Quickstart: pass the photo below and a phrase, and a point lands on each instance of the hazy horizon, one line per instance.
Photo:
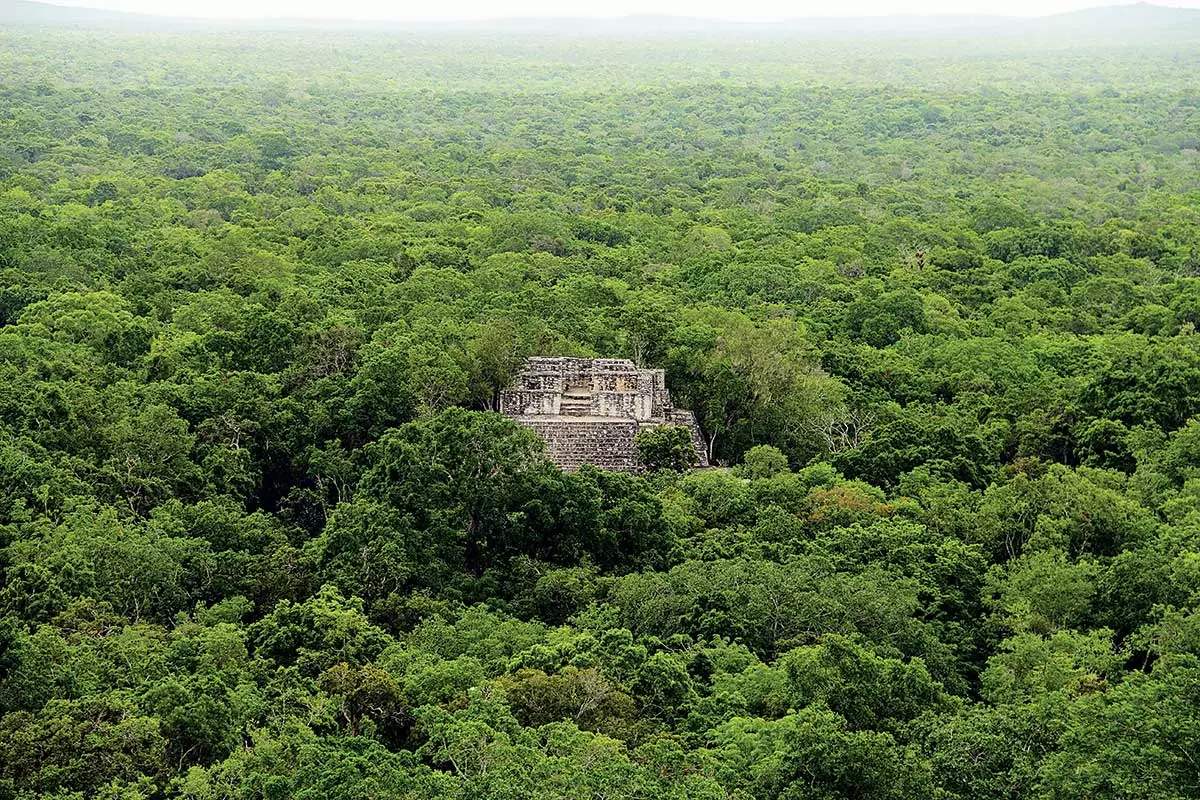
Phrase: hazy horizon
(465, 10)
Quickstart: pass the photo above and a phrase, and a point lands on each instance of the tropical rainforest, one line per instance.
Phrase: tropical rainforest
(934, 301)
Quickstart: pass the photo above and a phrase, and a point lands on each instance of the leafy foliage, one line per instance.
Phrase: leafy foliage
(934, 303)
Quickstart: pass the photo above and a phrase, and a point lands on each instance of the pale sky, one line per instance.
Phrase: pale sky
(749, 10)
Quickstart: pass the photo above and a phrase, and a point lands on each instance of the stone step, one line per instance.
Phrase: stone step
(575, 408)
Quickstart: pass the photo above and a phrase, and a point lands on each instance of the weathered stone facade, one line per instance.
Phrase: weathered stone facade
(588, 410)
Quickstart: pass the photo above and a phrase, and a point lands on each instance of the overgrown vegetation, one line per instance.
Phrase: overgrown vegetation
(934, 302)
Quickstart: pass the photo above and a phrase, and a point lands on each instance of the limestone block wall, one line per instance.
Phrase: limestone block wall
(530, 402)
(687, 420)
(618, 404)
(652, 386)
(607, 444)
(599, 374)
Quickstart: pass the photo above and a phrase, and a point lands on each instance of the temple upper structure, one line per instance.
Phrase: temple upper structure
(588, 410)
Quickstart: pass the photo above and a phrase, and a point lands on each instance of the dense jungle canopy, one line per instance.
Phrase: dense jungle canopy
(934, 300)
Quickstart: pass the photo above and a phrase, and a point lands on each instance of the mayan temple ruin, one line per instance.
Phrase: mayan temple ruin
(588, 410)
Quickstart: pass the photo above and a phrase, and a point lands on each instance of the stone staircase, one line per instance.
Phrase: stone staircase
(576, 404)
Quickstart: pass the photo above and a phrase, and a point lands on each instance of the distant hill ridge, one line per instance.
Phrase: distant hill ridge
(16, 12)
(1120, 19)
